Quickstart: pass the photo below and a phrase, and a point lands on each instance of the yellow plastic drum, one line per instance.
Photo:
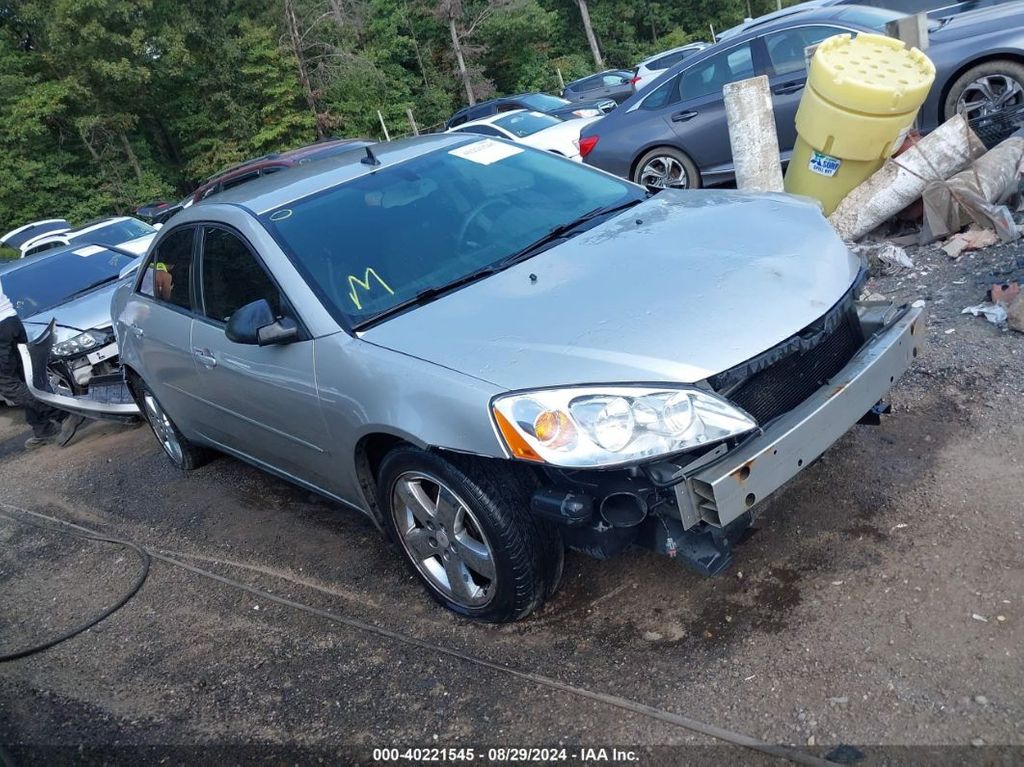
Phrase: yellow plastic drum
(861, 99)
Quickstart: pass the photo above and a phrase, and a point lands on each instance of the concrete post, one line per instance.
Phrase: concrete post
(752, 134)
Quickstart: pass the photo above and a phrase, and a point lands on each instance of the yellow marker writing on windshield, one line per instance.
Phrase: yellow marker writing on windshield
(364, 283)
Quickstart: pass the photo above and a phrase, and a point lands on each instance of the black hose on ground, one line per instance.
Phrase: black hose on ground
(144, 559)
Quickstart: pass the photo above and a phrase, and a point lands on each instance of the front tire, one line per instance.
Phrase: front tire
(665, 167)
(184, 454)
(466, 531)
(986, 89)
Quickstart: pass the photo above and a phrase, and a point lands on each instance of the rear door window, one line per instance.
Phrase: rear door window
(786, 49)
(167, 276)
(708, 77)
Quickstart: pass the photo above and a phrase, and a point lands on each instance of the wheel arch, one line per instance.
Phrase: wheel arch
(661, 145)
(982, 58)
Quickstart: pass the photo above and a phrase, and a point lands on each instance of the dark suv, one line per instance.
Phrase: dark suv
(537, 102)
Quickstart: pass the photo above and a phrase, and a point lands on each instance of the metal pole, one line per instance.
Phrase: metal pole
(387, 136)
(412, 122)
(561, 81)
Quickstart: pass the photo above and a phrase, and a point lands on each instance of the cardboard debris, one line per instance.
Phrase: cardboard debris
(972, 239)
(976, 195)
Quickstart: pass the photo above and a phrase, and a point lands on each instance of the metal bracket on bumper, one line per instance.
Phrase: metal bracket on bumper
(743, 478)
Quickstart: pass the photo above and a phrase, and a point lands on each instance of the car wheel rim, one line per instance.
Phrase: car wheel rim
(664, 172)
(988, 95)
(444, 540)
(163, 429)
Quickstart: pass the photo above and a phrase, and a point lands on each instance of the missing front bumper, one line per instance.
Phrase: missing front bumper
(107, 397)
(722, 492)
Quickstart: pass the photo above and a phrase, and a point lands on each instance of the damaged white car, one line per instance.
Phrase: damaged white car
(63, 298)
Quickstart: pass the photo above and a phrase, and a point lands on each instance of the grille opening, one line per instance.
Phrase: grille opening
(783, 385)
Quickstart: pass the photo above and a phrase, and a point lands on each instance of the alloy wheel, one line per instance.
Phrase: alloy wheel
(443, 539)
(990, 94)
(163, 429)
(664, 172)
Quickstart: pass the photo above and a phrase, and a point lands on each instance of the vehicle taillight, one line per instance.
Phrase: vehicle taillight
(635, 80)
(587, 144)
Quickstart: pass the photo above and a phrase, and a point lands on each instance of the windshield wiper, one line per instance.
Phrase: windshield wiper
(557, 233)
(87, 288)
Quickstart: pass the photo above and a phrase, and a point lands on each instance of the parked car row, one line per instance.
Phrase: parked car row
(675, 133)
(40, 236)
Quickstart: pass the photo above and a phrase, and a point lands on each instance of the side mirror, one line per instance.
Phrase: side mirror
(254, 324)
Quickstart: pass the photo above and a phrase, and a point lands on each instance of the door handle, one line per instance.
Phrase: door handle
(204, 357)
(681, 117)
(785, 88)
(135, 330)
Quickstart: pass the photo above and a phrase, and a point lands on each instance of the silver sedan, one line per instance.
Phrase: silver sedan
(494, 352)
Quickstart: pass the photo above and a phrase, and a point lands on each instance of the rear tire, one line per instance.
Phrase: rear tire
(183, 453)
(465, 529)
(666, 167)
(986, 89)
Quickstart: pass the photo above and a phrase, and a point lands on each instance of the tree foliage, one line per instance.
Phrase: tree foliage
(107, 104)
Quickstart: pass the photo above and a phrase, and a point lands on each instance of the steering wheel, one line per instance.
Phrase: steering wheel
(472, 217)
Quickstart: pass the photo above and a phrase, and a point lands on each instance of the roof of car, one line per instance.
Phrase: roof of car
(269, 192)
(498, 116)
(287, 157)
(687, 47)
(595, 74)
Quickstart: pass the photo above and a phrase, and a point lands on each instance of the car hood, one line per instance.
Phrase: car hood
(88, 311)
(998, 18)
(678, 288)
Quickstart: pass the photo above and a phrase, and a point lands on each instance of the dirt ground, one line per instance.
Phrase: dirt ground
(880, 602)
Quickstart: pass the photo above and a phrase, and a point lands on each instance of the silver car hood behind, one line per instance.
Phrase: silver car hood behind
(683, 286)
(86, 312)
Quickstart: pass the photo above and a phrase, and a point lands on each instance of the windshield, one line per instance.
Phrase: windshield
(115, 233)
(52, 279)
(543, 102)
(523, 124)
(373, 243)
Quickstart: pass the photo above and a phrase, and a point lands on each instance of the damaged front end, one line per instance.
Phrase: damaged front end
(81, 375)
(804, 394)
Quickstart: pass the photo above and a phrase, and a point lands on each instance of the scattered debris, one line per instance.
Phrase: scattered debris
(842, 700)
(1004, 293)
(978, 742)
(652, 636)
(972, 239)
(981, 618)
(884, 258)
(994, 313)
(981, 700)
(947, 149)
(976, 195)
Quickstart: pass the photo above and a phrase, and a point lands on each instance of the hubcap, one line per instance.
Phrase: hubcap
(988, 95)
(163, 429)
(664, 172)
(444, 539)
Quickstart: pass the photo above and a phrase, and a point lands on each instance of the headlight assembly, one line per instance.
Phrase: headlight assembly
(586, 112)
(591, 427)
(83, 342)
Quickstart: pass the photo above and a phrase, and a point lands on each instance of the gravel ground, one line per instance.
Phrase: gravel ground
(879, 602)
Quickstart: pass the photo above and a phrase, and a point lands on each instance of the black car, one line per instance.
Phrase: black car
(537, 102)
(615, 84)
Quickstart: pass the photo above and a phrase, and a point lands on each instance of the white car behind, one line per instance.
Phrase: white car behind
(122, 231)
(648, 70)
(535, 129)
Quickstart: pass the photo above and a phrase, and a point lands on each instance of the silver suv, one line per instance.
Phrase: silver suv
(494, 352)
